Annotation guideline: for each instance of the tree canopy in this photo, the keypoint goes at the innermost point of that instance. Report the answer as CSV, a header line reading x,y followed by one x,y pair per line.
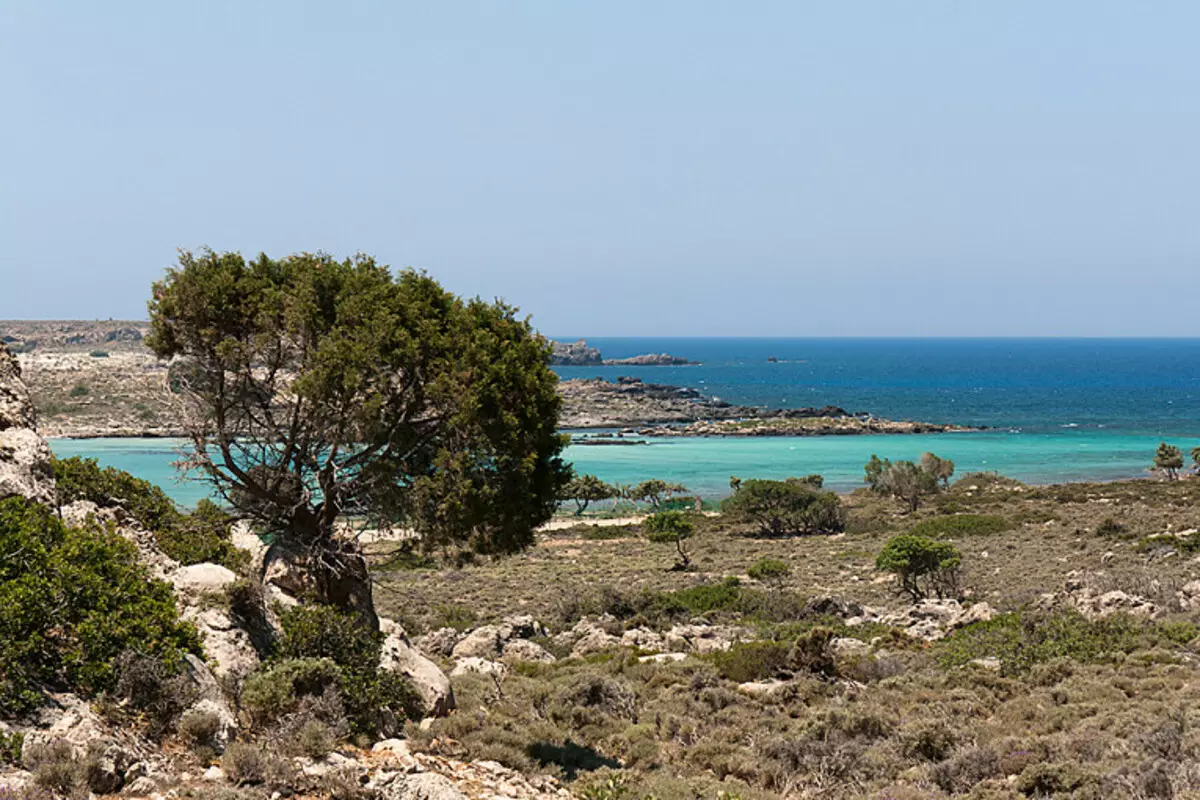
x,y
1169,459
907,481
671,527
788,507
314,387
586,489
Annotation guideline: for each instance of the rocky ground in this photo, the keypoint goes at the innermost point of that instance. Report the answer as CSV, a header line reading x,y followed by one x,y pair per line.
x,y
97,379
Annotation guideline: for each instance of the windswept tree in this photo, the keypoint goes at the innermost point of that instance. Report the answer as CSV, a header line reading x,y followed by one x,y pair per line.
x,y
786,508
587,489
903,480
312,388
671,527
655,491
942,469
1169,459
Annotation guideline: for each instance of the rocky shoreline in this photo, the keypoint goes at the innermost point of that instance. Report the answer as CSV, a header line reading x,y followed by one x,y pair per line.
x,y
94,380
578,354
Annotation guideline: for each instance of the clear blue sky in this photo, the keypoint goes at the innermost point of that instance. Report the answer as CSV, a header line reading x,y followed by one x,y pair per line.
x,y
642,168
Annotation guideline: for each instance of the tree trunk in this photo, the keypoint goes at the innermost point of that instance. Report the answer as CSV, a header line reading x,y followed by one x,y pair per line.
x,y
338,570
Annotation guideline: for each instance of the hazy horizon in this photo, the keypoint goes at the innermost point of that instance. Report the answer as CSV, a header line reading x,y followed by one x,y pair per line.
x,y
680,169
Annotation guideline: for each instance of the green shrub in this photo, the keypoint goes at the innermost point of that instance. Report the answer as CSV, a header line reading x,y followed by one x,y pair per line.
x,y
278,688
697,600
99,354
10,747
1109,527
244,764
71,602
671,527
79,390
769,569
751,661
954,525
202,536
374,698
922,566
199,728
784,508
1023,640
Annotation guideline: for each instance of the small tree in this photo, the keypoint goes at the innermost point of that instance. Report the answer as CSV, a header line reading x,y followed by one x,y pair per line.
x,y
655,491
782,508
922,566
903,480
735,483
671,527
942,469
586,489
1196,459
1169,459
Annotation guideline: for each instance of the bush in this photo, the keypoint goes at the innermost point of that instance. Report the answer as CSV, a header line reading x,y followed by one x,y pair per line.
x,y
781,508
57,769
199,728
960,525
79,390
71,602
279,688
769,569
154,688
244,764
922,566
99,354
751,661
202,536
1023,640
10,747
1109,527
671,527
375,700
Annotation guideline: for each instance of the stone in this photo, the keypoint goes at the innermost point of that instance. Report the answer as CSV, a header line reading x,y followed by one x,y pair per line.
x,y
832,606
524,650
24,455
427,679
847,649
987,662
523,626
230,651
594,640
1189,596
703,638
422,786
213,774
472,665
761,688
198,580
228,722
483,642
662,658
644,639
439,643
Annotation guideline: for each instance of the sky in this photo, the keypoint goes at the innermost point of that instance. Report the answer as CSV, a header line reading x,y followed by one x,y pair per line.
x,y
627,167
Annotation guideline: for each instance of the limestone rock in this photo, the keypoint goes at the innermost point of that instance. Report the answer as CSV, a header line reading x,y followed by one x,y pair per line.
x,y
594,640
704,638
229,648
24,455
439,643
483,642
427,679
198,580
422,786
525,650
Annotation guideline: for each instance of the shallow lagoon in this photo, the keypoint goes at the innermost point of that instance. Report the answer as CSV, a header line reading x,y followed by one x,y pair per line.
x,y
705,464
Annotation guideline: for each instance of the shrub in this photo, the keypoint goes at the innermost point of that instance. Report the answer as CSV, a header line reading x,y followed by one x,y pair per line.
x,y
203,535
1023,640
376,700
781,508
79,390
905,480
1109,527
199,728
769,569
922,566
10,747
960,525
751,661
244,764
671,527
99,354
71,602
158,690
57,769
279,688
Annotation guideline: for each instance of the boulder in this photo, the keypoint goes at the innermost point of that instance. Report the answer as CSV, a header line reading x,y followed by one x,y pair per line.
x,y
594,640
484,642
848,650
422,786
1189,596
701,638
230,651
197,580
523,626
427,679
439,643
644,639
524,650
24,455
832,606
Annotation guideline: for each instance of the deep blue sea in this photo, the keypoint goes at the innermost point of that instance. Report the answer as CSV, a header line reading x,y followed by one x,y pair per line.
x,y
1057,409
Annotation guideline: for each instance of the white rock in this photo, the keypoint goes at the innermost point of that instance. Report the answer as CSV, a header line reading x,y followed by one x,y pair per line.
x,y
473,665
430,682
197,580
524,650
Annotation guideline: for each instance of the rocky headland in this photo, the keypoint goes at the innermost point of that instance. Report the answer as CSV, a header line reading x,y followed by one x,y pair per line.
x,y
578,354
98,379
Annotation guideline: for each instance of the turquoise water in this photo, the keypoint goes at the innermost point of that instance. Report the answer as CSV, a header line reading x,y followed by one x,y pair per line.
x,y
1059,409
704,465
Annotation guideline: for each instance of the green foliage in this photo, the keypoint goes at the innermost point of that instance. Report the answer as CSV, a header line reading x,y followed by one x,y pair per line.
x,y
751,661
1169,459
907,481
392,397
278,688
99,354
671,527
79,390
922,566
1023,640
10,747
781,508
698,600
769,569
1109,527
586,489
195,538
954,525
654,492
72,601
374,698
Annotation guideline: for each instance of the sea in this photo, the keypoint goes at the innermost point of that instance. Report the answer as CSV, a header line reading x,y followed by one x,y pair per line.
x,y
1053,410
